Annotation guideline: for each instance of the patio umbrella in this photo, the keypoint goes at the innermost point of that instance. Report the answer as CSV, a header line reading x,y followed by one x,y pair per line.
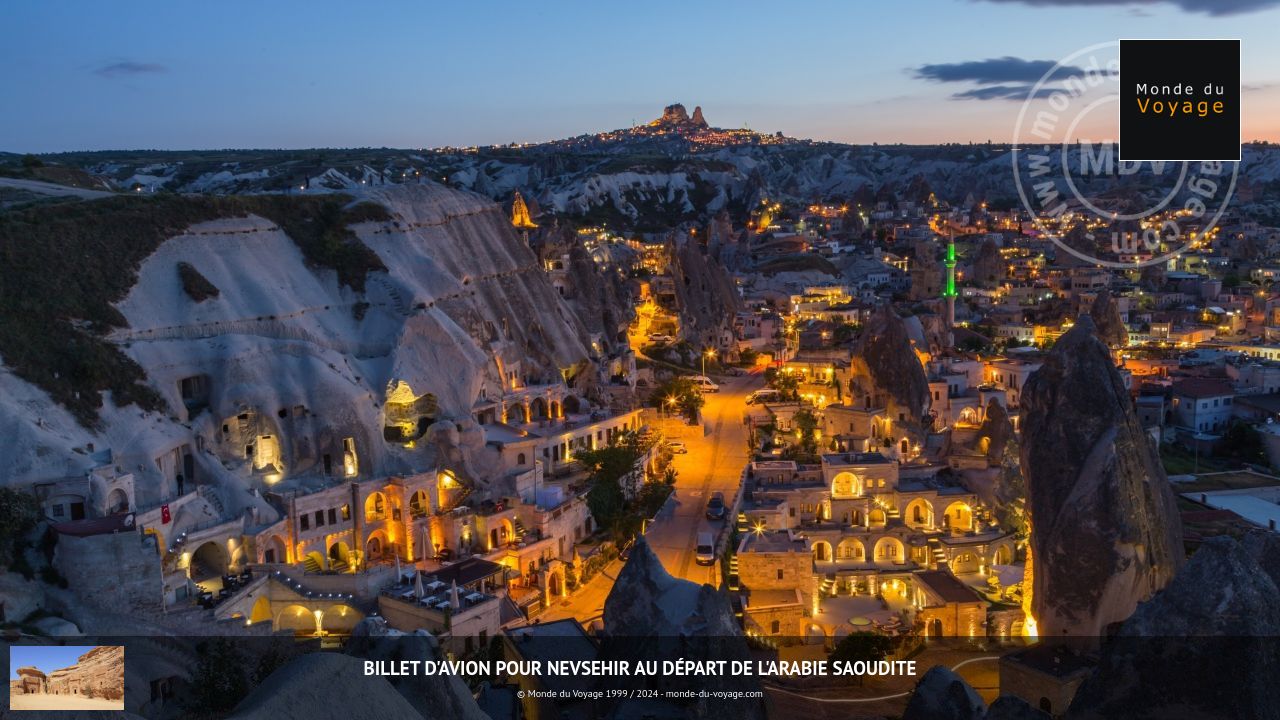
x,y
417,585
453,595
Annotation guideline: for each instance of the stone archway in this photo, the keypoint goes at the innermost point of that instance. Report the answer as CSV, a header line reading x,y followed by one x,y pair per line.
x,y
919,514
814,634
340,619
261,611
117,501
209,561
275,551
1003,555
419,504
959,516
297,619
876,518
538,409
376,545
850,549
845,485
339,556
889,549
822,551
375,507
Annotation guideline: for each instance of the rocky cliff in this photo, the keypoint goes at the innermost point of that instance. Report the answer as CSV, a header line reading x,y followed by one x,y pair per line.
x,y
1106,317
1105,530
650,615
288,352
705,294
1204,647
885,362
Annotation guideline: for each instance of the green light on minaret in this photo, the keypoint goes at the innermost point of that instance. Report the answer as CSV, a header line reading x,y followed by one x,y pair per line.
x,y
951,269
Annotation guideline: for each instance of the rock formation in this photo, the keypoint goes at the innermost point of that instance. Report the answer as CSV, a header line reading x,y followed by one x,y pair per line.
x,y
650,615
988,266
697,120
943,695
1106,317
1105,530
885,362
326,686
706,296
1203,647
434,696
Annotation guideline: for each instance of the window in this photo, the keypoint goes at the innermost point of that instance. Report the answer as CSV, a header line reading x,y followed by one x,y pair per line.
x,y
346,512
779,573
333,516
775,627
520,459
58,511
304,522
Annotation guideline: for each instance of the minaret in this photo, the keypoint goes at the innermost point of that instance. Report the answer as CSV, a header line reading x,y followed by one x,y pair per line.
x,y
950,292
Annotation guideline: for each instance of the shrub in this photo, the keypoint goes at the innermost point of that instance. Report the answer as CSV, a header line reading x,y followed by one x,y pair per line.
x,y
197,286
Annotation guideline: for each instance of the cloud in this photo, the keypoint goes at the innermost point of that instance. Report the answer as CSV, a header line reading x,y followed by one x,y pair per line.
x,y
993,70
1208,7
1004,78
1001,92
121,68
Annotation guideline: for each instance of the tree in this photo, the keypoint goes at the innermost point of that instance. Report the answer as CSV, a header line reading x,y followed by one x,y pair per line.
x,y
19,512
219,683
679,393
787,384
1243,443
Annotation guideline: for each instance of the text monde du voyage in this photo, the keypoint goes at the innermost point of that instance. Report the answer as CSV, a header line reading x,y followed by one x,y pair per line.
x,y
1180,99
639,668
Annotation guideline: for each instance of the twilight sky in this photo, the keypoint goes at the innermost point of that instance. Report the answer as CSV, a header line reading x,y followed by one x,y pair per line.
x,y
86,75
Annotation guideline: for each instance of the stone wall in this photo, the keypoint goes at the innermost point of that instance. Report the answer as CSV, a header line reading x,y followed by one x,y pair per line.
x,y
117,571
759,570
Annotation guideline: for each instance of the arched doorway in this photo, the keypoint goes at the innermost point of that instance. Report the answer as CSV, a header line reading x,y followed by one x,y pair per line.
x,y
538,409
876,518
935,628
850,549
959,516
572,404
261,611
340,619
822,551
845,485
1003,555
275,551
814,635
117,501
314,562
339,556
919,514
889,549
419,505
375,507
297,619
208,562
376,545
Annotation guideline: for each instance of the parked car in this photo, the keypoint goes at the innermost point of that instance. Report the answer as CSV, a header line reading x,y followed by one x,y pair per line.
x,y
703,383
715,507
706,549
659,338
765,395
676,447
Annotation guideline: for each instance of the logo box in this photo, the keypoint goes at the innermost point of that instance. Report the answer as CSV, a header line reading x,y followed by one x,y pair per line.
x,y
1180,100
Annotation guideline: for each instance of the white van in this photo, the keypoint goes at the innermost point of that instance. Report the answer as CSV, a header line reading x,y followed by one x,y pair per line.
x,y
706,550
703,383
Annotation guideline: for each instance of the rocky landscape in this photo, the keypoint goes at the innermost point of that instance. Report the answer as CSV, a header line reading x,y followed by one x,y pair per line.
x,y
1106,534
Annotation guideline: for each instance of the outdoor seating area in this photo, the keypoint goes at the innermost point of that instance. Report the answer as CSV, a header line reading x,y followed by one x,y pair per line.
x,y
209,595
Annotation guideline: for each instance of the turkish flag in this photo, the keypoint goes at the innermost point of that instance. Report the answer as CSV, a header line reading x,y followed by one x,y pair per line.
x,y
164,514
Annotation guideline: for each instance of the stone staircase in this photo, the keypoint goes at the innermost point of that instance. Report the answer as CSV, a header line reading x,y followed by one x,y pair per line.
x,y
311,565
828,588
518,530
937,555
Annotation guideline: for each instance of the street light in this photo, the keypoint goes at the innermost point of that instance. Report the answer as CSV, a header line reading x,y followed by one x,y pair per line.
x,y
710,353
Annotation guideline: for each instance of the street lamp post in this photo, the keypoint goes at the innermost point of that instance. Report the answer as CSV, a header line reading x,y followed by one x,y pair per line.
x,y
710,353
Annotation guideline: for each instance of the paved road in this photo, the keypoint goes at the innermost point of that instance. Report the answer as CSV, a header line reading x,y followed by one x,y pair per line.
x,y
717,454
